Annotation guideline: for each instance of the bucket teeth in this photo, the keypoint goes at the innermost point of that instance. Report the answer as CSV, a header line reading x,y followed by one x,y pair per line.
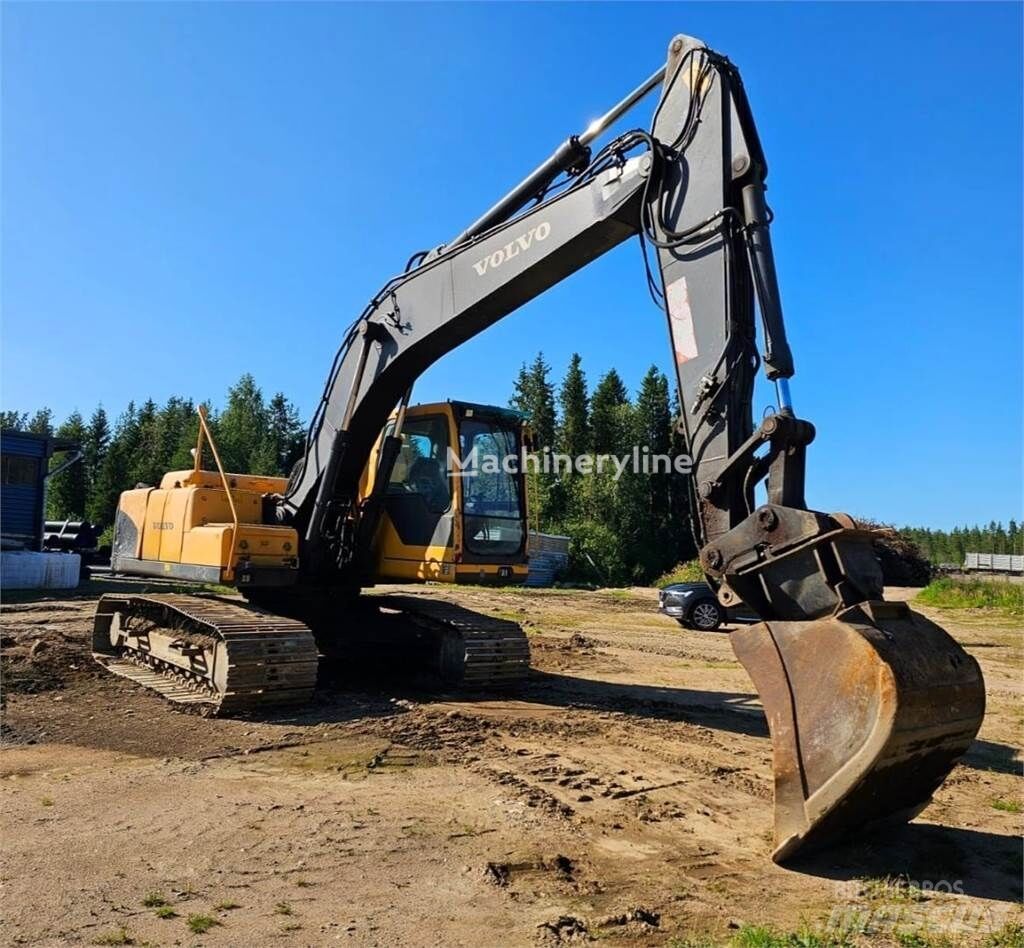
x,y
869,710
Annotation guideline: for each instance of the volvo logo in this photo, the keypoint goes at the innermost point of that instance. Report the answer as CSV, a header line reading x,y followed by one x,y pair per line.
x,y
513,248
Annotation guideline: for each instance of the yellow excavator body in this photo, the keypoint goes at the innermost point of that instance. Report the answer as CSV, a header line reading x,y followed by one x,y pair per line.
x,y
186,528
208,526
438,522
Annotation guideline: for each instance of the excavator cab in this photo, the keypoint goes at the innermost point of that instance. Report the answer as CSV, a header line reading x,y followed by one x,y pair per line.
x,y
454,507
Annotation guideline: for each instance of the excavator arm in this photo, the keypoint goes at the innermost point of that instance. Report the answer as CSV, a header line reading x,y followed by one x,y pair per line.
x,y
869,704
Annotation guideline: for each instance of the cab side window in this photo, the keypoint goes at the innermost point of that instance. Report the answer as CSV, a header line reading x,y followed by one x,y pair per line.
x,y
422,463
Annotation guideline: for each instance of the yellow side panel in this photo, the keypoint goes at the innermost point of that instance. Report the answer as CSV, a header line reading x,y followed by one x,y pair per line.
x,y
133,505
264,546
267,545
174,525
155,525
207,546
256,483
211,506
430,565
397,562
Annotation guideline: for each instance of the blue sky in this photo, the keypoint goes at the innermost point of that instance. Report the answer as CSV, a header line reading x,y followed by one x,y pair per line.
x,y
192,191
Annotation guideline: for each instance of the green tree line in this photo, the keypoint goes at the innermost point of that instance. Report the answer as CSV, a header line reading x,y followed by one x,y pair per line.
x,y
949,546
629,529
254,436
639,528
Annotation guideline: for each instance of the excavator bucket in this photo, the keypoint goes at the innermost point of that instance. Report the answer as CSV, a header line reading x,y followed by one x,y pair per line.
x,y
868,710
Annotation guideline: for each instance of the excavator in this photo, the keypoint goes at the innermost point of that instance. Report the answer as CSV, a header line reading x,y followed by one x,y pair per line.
x,y
869,704
208,526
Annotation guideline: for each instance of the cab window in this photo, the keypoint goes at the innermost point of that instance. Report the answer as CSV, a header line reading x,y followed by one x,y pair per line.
x,y
491,492
422,463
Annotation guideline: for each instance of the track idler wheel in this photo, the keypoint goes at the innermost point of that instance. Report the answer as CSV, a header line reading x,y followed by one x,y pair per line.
x,y
869,710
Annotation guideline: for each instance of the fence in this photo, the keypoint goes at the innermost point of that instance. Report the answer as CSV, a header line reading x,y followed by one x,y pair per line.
x,y
993,563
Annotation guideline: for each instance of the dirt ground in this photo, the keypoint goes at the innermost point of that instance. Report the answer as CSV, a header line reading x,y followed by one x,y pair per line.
x,y
623,794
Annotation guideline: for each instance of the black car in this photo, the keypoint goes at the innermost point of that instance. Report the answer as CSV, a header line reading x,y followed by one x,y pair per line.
x,y
694,606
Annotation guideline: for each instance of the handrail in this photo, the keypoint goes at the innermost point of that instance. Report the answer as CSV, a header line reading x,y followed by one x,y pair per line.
x,y
204,429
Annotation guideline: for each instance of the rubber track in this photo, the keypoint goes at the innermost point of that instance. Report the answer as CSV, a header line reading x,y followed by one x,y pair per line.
x,y
494,651
272,660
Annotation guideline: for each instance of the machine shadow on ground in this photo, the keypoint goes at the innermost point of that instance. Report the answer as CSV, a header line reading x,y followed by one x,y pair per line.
x,y
986,865
729,711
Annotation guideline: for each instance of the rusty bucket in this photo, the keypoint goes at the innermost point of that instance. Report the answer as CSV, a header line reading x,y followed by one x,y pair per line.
x,y
869,710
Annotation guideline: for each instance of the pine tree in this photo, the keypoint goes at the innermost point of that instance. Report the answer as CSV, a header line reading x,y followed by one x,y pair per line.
x,y
534,395
642,508
41,422
66,491
242,427
146,462
285,434
174,434
574,430
94,452
654,431
653,412
14,420
182,457
116,468
605,420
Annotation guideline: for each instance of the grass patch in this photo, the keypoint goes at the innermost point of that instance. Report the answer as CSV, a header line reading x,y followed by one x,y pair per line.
x,y
154,900
119,936
1007,806
891,889
762,936
1011,935
688,572
949,593
356,759
283,908
165,911
915,939
46,801
200,924
226,906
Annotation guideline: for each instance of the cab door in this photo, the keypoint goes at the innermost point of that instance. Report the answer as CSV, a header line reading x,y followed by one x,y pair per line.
x,y
416,538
